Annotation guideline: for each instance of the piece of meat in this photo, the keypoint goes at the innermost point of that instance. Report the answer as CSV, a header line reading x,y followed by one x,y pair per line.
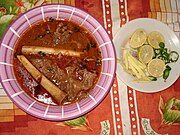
x,y
51,71
76,86
67,34
62,33
66,79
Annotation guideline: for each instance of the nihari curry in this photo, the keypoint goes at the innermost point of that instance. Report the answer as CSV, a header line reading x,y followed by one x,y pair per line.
x,y
57,62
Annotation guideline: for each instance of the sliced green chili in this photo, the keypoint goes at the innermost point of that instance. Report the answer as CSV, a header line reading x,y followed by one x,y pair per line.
x,y
173,56
168,67
161,45
152,78
166,74
162,57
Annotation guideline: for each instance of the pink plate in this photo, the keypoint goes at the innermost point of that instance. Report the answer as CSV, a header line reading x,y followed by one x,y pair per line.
x,y
48,112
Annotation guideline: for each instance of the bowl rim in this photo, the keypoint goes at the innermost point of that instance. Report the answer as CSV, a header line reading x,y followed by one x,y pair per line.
x,y
89,109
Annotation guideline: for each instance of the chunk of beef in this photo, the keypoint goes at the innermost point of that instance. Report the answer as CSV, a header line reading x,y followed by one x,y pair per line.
x,y
66,79
51,71
62,33
76,85
65,34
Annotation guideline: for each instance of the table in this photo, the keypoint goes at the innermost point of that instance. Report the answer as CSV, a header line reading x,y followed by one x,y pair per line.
x,y
124,111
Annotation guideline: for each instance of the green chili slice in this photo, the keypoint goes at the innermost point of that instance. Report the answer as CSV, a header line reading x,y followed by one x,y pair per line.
x,y
162,57
161,45
152,78
173,56
166,74
168,67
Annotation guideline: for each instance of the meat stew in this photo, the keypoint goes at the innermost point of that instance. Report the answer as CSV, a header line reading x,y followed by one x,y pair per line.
x,y
59,53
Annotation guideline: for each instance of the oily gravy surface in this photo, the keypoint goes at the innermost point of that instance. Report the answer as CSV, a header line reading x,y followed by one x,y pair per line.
x,y
57,62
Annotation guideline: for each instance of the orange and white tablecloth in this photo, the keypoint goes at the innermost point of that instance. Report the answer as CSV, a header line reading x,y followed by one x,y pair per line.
x,y
124,111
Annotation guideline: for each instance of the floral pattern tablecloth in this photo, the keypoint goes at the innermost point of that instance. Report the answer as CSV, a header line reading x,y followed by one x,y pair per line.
x,y
125,110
